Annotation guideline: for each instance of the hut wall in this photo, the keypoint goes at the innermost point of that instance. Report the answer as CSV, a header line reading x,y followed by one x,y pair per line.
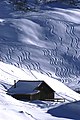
x,y
21,96
45,92
27,96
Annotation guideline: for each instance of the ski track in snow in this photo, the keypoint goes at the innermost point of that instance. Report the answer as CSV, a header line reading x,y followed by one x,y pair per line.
x,y
44,42
19,58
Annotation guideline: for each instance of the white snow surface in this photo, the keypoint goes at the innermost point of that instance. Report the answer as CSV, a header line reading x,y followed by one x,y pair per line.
x,y
40,45
1,20
11,108
58,87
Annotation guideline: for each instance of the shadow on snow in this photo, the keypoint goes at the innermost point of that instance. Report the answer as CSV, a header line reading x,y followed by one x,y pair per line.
x,y
68,110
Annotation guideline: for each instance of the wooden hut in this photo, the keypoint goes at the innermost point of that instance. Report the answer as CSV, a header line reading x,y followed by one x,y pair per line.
x,y
31,90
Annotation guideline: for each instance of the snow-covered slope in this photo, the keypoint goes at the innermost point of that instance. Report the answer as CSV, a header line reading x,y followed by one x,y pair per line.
x,y
8,73
11,108
45,40
58,87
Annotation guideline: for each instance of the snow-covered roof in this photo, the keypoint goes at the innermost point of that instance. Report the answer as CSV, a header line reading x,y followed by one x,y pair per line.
x,y
24,87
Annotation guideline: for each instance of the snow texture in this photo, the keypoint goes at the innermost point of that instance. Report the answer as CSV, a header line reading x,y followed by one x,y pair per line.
x,y
41,43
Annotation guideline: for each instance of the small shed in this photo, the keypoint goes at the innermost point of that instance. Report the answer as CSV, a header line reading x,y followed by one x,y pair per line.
x,y
31,90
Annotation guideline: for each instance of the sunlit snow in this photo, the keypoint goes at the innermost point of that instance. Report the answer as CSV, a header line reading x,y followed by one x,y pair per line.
x,y
41,44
